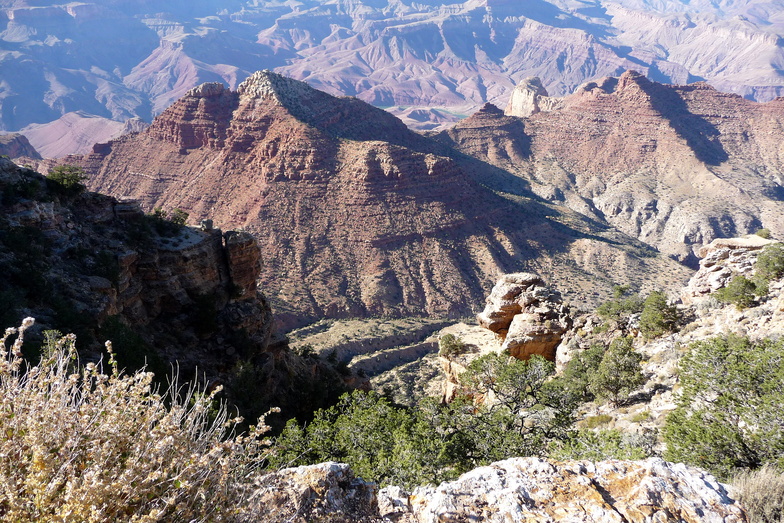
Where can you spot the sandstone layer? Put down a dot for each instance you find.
(355, 214)
(674, 166)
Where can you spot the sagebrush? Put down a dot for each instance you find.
(761, 492)
(78, 444)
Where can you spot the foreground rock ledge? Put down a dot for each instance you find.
(514, 490)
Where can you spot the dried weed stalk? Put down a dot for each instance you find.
(77, 444)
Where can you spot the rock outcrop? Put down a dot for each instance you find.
(721, 261)
(355, 214)
(530, 97)
(167, 296)
(514, 490)
(187, 291)
(323, 492)
(674, 166)
(528, 315)
(526, 489)
(16, 145)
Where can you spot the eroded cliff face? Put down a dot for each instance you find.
(98, 259)
(674, 166)
(17, 146)
(355, 214)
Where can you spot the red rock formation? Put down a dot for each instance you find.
(354, 213)
(675, 166)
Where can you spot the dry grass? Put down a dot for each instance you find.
(80, 445)
(761, 492)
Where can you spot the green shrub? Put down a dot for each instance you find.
(382, 442)
(621, 306)
(606, 444)
(657, 316)
(179, 217)
(619, 372)
(763, 233)
(591, 422)
(81, 445)
(450, 345)
(580, 368)
(523, 412)
(761, 492)
(67, 179)
(770, 263)
(739, 291)
(165, 225)
(729, 415)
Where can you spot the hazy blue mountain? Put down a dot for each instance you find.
(427, 61)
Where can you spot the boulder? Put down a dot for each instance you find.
(528, 315)
(324, 492)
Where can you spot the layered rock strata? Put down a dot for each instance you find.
(527, 315)
(355, 214)
(674, 166)
(721, 261)
(187, 291)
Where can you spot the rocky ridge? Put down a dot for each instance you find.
(356, 214)
(514, 490)
(674, 166)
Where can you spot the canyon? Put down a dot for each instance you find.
(357, 215)
(71, 65)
